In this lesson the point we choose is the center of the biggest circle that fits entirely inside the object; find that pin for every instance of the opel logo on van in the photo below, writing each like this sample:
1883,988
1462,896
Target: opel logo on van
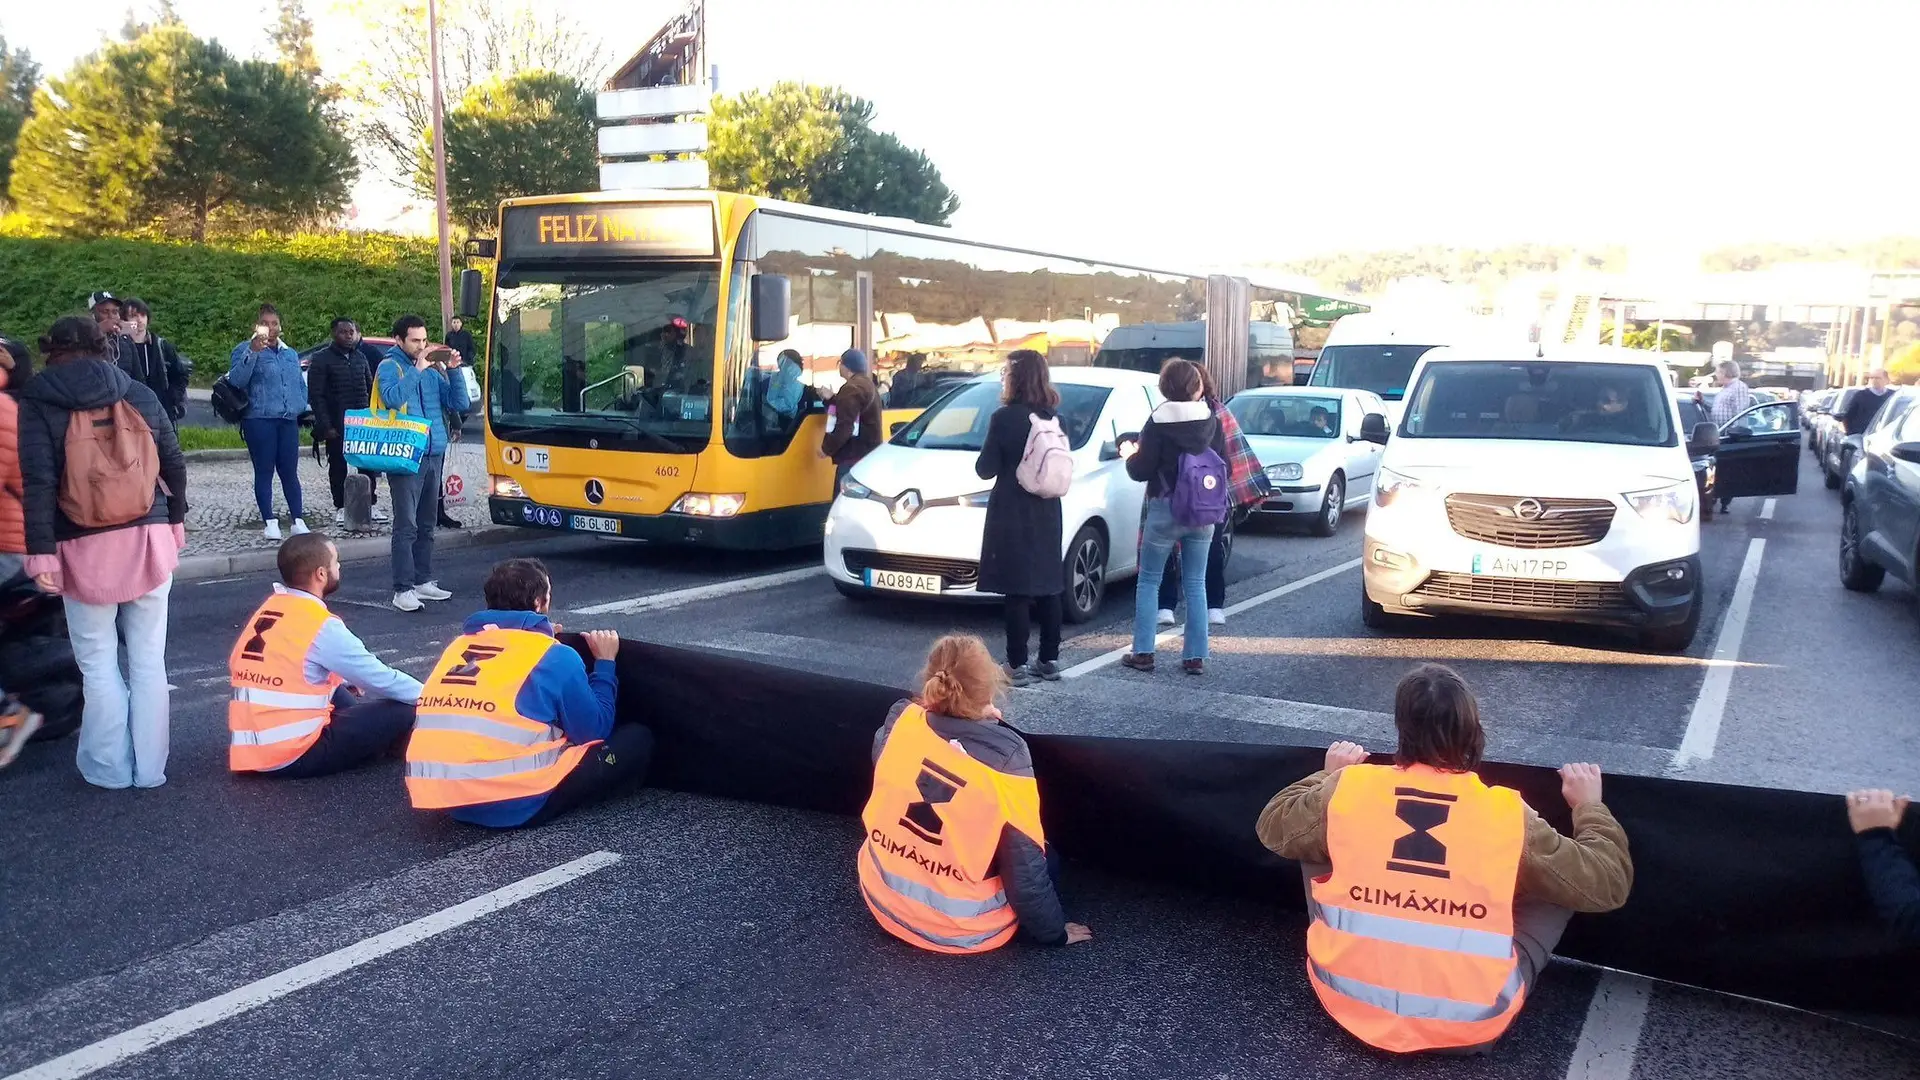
596,494
1528,510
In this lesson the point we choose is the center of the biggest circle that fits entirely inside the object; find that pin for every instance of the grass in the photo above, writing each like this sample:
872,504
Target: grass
210,438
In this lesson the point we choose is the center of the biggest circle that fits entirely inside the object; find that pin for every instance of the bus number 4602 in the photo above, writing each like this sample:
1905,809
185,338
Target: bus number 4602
667,470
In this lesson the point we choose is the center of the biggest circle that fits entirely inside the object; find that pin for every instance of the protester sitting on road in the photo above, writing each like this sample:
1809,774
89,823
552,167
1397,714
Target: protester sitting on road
408,379
853,427
1020,542
1892,879
1183,424
337,382
308,698
1472,900
512,729
104,531
13,512
268,371
153,360
954,858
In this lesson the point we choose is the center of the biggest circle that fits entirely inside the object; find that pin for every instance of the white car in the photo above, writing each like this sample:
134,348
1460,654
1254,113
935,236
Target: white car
1537,488
1308,441
908,518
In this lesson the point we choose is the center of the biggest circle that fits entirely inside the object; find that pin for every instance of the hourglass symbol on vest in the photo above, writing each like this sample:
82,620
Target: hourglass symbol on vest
936,785
256,646
1420,852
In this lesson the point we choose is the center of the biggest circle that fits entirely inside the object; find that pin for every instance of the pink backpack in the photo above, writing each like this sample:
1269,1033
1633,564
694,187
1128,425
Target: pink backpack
1046,466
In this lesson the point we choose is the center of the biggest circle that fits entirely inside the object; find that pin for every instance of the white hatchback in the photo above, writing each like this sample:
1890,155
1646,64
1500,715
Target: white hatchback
1309,444
908,518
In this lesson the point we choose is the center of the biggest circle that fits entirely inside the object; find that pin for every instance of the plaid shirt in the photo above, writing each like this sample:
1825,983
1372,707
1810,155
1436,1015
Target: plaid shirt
1247,482
1732,400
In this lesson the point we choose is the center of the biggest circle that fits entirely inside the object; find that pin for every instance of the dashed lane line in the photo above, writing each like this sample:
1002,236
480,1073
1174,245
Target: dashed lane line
678,597
1611,1035
131,1043
1767,508
1710,708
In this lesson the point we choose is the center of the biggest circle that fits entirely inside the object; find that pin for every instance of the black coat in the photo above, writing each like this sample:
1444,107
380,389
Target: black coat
45,404
336,382
1020,548
156,363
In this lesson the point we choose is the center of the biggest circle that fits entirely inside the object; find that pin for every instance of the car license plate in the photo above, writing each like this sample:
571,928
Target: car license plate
902,582
1520,566
595,524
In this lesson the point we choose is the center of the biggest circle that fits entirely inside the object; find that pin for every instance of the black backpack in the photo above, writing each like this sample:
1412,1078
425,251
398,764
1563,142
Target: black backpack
230,403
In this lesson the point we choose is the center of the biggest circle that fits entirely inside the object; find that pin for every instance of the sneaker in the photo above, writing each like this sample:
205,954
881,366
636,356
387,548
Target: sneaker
406,601
339,519
299,527
379,516
1138,661
1017,676
431,591
272,531
1166,617
16,728
1194,667
1216,616
1046,669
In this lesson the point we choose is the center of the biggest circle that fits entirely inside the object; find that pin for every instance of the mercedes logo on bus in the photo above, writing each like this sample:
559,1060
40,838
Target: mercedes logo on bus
596,493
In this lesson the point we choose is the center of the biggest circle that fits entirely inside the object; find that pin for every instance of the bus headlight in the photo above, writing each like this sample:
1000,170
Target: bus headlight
1674,503
701,505
506,487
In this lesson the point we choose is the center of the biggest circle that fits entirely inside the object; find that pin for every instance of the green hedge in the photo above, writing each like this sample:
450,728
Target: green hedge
205,296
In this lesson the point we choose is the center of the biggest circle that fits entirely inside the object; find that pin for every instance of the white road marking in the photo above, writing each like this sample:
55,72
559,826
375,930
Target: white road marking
214,681
117,1048
1766,509
1703,727
420,659
1611,1036
658,601
170,686
220,580
374,604
1169,636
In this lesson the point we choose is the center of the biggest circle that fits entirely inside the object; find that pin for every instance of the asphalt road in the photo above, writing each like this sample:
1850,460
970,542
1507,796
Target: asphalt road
724,939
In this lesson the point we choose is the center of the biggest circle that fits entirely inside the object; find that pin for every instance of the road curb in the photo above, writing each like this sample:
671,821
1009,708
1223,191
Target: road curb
354,549
214,455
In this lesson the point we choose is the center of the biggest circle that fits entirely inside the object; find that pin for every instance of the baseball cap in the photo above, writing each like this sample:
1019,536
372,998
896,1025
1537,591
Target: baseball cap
101,297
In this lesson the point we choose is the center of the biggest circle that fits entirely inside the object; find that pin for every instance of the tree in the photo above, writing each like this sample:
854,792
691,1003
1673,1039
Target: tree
817,145
1904,368
171,132
293,39
19,75
532,134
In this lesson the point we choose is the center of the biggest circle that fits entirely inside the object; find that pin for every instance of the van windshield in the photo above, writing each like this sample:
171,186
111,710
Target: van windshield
1380,369
1627,404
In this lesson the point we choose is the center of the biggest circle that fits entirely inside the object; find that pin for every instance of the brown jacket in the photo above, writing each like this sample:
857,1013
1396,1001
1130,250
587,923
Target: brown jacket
1591,872
859,401
13,511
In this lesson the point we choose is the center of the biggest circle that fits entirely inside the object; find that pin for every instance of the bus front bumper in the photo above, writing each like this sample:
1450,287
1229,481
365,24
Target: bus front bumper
765,530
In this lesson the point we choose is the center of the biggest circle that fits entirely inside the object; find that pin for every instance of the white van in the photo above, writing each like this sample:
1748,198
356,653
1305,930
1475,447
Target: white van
1554,488
1376,351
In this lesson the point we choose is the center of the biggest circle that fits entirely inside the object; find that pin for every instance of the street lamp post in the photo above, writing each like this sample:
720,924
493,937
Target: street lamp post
440,165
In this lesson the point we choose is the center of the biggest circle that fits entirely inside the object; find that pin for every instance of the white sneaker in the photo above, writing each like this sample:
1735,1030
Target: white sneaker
1166,617
431,591
406,601
379,516
299,527
339,519
1216,616
272,531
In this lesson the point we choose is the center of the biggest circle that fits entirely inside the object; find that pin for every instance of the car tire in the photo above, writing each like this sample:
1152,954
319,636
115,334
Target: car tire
1829,477
1856,573
1332,507
1673,639
1372,615
852,592
1084,573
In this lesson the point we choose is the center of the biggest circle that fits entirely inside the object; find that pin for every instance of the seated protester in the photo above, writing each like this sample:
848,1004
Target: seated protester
1404,976
959,875
300,677
512,730
1892,879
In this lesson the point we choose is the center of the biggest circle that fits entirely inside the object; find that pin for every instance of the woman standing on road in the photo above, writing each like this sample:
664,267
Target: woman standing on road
1183,424
114,565
268,370
1020,545
1249,487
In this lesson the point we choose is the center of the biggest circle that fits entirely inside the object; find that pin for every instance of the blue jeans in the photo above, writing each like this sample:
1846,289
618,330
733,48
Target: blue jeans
1159,534
273,445
416,510
124,724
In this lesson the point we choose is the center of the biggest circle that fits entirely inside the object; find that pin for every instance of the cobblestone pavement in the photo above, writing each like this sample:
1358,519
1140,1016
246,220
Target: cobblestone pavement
222,518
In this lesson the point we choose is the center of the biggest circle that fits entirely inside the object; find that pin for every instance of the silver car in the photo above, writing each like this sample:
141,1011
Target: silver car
1308,441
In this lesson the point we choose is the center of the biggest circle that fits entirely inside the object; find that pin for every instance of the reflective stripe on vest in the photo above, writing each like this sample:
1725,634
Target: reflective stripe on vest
960,943
492,729
945,905
275,714
1419,1006
1407,932
483,770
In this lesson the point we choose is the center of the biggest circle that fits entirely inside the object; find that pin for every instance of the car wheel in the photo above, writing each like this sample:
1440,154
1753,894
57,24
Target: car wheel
1673,639
1086,575
852,592
1328,522
1372,615
1829,477
1856,573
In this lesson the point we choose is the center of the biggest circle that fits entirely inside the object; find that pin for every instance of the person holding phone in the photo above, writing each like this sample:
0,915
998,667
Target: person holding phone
268,370
409,379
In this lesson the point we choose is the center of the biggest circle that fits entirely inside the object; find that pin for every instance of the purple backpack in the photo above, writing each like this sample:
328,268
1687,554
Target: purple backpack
1200,492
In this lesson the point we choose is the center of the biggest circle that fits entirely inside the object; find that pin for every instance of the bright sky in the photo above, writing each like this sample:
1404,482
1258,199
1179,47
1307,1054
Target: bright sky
1270,129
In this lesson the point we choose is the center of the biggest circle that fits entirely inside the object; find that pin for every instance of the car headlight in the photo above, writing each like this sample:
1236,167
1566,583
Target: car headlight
854,489
702,505
1675,503
1290,470
977,500
506,487
1389,485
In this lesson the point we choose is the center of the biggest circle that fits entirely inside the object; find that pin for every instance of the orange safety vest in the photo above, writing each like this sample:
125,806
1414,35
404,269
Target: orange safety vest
1411,942
933,827
276,714
470,743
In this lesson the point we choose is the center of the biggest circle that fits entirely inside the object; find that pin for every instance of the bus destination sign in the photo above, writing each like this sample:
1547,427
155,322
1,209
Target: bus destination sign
597,230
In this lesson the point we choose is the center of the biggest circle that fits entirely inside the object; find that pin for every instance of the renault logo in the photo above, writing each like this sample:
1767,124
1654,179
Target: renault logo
904,507
596,494
1528,510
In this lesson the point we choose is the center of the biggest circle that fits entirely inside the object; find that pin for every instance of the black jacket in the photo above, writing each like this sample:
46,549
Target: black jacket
1020,542
156,363
1863,408
1020,863
45,404
1893,882
1176,427
461,341
336,382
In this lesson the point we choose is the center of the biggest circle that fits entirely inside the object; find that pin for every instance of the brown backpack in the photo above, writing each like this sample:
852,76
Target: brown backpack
112,467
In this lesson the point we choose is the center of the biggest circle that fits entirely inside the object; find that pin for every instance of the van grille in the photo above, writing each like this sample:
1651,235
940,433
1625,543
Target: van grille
1602,596
952,571
1504,520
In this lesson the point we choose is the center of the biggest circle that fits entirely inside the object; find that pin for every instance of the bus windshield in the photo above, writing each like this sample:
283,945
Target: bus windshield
1381,369
586,357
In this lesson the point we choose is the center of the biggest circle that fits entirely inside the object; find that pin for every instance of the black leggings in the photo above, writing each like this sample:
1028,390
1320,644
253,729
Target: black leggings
1020,610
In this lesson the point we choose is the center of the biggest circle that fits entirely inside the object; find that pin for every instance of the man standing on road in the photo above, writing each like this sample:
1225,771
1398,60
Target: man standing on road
853,418
153,360
512,729
337,381
461,339
407,378
1734,398
299,676
1867,403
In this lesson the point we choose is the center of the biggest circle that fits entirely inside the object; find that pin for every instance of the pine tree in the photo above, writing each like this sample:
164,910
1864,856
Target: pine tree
19,75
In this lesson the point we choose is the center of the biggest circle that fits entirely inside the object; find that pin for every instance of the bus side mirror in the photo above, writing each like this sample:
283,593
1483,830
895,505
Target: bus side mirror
769,304
469,294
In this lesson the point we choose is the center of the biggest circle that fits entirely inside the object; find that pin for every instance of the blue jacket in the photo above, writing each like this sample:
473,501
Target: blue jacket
425,393
271,378
558,691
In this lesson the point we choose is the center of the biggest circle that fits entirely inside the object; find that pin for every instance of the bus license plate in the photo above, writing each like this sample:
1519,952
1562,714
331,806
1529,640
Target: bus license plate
584,523
900,582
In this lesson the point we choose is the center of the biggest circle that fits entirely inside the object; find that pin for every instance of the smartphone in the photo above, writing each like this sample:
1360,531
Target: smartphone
260,331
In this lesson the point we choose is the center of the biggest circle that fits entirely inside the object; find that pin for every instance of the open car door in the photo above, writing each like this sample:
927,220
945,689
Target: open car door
1759,452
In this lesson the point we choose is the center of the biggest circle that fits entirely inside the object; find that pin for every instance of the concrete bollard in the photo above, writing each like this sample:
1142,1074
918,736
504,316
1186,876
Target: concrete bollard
359,492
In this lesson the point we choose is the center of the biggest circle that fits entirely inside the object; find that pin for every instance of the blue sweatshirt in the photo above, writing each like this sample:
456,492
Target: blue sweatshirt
558,691
424,392
272,380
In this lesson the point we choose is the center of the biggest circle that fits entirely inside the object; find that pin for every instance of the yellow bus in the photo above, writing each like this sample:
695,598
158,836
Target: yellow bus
658,362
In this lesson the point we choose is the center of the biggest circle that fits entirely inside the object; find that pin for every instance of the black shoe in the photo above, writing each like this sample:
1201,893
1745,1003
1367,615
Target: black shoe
449,523
1046,669
1017,676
